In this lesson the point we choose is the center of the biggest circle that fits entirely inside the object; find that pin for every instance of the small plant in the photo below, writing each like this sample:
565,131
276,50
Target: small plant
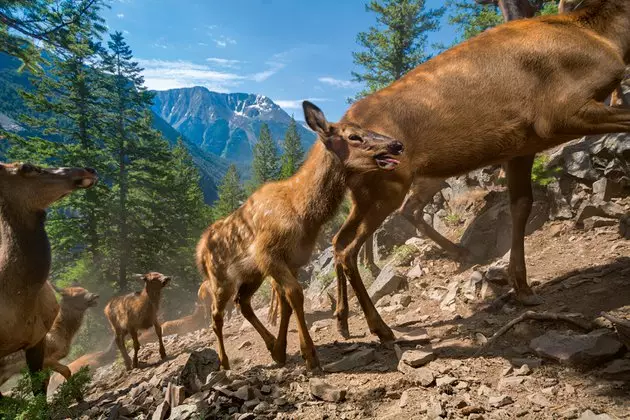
541,174
326,279
23,405
403,254
453,219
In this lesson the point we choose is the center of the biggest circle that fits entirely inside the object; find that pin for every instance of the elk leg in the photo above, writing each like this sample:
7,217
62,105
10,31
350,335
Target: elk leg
158,332
136,347
58,367
120,342
294,294
221,298
519,174
616,98
347,243
243,299
279,352
422,192
35,363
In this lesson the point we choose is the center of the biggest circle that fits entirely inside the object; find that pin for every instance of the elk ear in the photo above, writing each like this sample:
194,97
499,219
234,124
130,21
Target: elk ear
315,119
139,277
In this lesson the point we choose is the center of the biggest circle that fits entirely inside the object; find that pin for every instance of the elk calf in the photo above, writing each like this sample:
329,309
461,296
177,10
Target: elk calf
74,302
274,232
137,311
184,325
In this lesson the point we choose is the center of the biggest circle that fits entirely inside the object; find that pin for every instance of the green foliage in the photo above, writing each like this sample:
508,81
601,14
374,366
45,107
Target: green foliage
403,254
542,175
292,153
471,18
231,194
54,24
265,163
396,44
453,219
22,405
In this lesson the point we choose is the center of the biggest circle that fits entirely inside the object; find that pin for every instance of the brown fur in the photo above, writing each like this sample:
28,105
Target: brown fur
92,360
137,311
193,322
74,302
512,91
28,306
273,233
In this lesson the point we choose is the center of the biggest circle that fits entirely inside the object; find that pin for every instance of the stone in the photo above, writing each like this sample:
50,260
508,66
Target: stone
471,409
616,367
510,383
387,282
420,376
214,378
434,408
320,325
417,358
262,408
539,400
175,395
354,360
597,222
251,404
197,368
605,189
394,230
401,299
265,389
416,272
451,294
244,393
604,209
246,416
183,412
500,401
497,274
416,337
559,207
567,347
524,370
326,392
244,344
589,415
445,380
162,412
531,362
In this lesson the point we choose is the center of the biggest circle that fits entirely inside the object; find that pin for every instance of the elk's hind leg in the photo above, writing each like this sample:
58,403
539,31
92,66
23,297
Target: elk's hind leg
243,300
35,363
221,298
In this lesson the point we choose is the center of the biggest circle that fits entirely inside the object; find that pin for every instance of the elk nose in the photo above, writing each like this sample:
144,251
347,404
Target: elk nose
91,170
395,147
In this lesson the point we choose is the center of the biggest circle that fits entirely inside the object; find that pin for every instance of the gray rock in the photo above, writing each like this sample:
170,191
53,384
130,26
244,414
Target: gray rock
445,380
510,383
598,221
214,378
197,368
325,391
603,209
415,272
401,299
539,400
175,395
354,360
162,412
529,361
559,207
417,358
244,393
183,412
605,189
416,337
571,348
616,367
419,376
589,415
500,401
387,282
394,231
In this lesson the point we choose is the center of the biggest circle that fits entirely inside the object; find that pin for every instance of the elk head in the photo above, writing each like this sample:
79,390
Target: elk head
359,150
77,297
154,282
32,188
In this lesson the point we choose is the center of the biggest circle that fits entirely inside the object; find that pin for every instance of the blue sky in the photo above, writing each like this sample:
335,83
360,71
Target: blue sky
288,50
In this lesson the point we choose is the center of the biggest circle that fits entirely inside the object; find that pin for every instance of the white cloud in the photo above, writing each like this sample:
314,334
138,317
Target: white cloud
120,15
338,83
224,41
290,104
163,74
224,62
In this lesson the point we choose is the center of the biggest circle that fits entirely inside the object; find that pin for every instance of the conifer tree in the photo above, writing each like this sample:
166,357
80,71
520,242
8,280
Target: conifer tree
231,194
265,162
292,154
396,44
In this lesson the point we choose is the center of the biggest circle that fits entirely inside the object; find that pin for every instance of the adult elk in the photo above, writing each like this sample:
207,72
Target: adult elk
28,306
503,96
274,232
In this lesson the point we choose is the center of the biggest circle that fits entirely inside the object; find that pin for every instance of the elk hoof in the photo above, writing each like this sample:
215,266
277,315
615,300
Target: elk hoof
528,299
342,327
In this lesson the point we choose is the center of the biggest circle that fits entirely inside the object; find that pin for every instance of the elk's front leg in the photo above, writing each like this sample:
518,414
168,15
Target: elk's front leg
158,332
35,363
519,175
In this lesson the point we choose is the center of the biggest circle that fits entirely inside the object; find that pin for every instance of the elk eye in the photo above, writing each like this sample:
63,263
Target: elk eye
355,137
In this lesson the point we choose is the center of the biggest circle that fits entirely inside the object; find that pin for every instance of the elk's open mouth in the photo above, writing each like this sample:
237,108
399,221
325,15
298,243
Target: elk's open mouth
86,182
93,301
386,162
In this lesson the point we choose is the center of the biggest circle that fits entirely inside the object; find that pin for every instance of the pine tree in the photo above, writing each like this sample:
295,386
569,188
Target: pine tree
292,155
51,23
231,194
397,44
265,162
126,99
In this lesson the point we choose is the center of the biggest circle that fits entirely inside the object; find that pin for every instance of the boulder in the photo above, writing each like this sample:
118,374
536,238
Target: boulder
598,221
326,392
162,412
417,358
394,231
605,189
354,360
197,368
387,282
602,209
589,415
568,347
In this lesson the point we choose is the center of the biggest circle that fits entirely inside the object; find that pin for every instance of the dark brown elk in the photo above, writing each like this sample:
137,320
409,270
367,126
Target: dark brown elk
75,301
503,96
28,305
273,233
137,311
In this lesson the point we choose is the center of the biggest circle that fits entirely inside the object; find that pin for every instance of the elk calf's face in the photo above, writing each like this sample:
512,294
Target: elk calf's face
154,282
358,149
34,189
79,298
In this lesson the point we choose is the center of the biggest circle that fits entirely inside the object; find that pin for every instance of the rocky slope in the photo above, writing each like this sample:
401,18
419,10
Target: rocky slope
224,124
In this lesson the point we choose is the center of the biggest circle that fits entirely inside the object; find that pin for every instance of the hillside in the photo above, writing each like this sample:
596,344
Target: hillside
224,124
211,167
